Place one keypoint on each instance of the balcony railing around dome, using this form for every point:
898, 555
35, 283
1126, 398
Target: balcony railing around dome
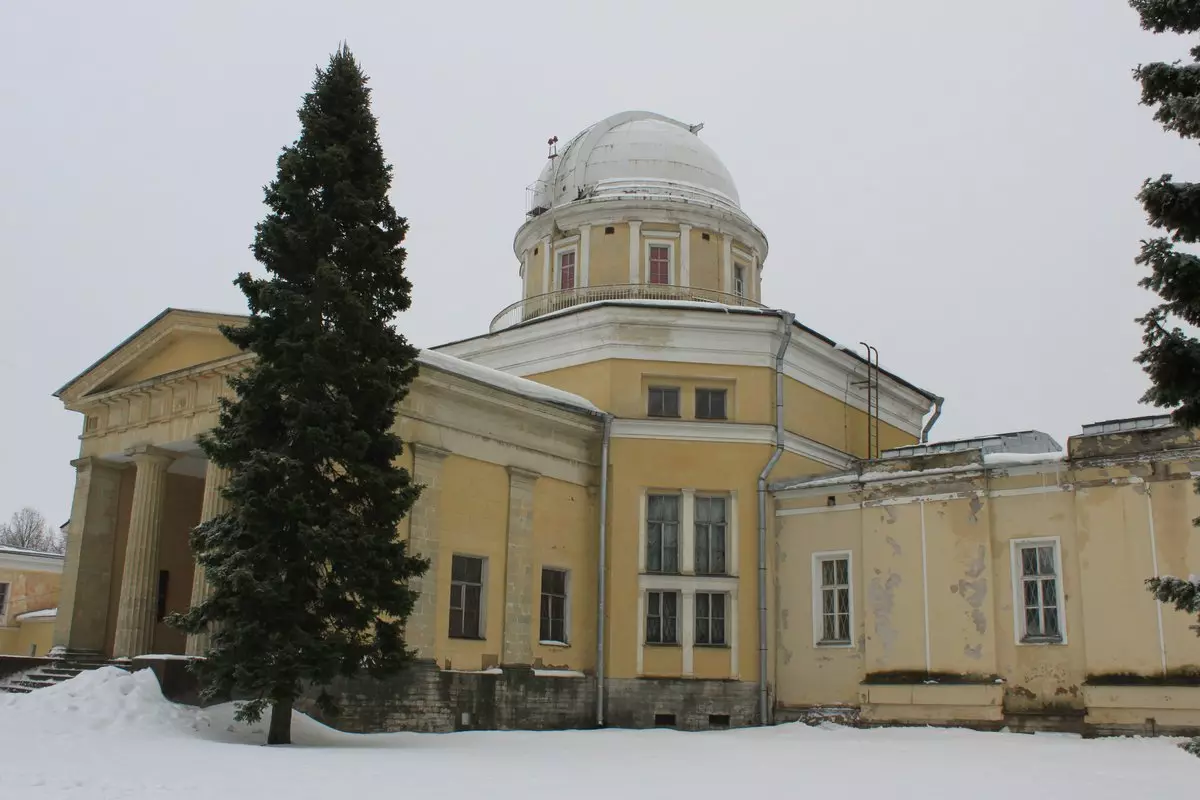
539, 305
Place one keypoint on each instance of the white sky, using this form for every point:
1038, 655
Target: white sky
953, 182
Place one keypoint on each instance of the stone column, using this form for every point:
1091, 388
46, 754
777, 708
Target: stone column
139, 579
87, 569
214, 505
420, 632
520, 586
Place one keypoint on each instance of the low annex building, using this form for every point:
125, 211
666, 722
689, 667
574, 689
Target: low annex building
685, 507
29, 584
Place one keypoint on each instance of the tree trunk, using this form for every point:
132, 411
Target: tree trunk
281, 723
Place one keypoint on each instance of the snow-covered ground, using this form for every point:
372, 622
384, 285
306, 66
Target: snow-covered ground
109, 734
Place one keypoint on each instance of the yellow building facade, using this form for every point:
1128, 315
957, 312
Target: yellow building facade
29, 585
631, 481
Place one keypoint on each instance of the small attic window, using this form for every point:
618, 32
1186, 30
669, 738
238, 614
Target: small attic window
705, 237
609, 229
535, 251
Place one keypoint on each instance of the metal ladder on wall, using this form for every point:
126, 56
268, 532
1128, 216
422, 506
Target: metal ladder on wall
872, 384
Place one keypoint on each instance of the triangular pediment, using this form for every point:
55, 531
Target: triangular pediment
173, 341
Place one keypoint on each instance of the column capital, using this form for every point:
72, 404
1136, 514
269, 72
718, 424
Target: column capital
521, 475
84, 463
146, 453
428, 451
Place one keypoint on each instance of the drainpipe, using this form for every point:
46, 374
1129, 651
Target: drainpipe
937, 412
600, 576
784, 340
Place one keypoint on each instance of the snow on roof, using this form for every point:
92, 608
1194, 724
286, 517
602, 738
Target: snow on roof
45, 613
509, 383
20, 551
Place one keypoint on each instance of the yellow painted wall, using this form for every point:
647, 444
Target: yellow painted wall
609, 259
34, 638
830, 421
1103, 527
639, 464
705, 259
564, 530
29, 590
476, 528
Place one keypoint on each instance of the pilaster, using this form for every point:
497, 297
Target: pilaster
635, 251
424, 540
139, 579
726, 263
585, 252
547, 286
213, 505
685, 255
519, 586
87, 570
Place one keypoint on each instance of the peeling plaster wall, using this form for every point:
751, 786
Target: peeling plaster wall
1118, 517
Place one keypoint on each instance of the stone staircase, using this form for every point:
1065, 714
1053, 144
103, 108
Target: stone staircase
60, 668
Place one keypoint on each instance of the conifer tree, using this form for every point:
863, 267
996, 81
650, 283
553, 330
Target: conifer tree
1171, 356
308, 580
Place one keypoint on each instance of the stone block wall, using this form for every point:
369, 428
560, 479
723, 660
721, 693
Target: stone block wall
427, 699
691, 705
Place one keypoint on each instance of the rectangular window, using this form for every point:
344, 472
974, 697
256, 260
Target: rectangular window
662, 533
566, 270
710, 535
710, 404
833, 572
662, 618
1038, 571
4, 591
710, 618
554, 606
660, 263
663, 401
739, 280
466, 597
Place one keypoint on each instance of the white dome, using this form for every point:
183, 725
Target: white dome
636, 153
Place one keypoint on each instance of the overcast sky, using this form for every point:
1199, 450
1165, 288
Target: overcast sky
951, 181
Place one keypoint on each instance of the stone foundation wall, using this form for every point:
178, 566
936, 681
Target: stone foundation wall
427, 699
691, 705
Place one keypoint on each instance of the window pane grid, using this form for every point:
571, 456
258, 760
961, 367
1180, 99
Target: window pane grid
710, 618
566, 270
663, 402
1039, 593
660, 259
662, 617
553, 624
662, 533
835, 600
466, 594
710, 528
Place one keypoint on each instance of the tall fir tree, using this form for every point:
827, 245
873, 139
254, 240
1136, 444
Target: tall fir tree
1171, 356
308, 579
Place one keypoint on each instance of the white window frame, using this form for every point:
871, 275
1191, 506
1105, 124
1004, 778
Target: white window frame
559, 252
739, 266
680, 608
724, 619
566, 640
5, 603
692, 498
483, 598
1018, 596
817, 601
658, 242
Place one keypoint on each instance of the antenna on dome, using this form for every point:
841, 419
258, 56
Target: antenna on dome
552, 143
699, 126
